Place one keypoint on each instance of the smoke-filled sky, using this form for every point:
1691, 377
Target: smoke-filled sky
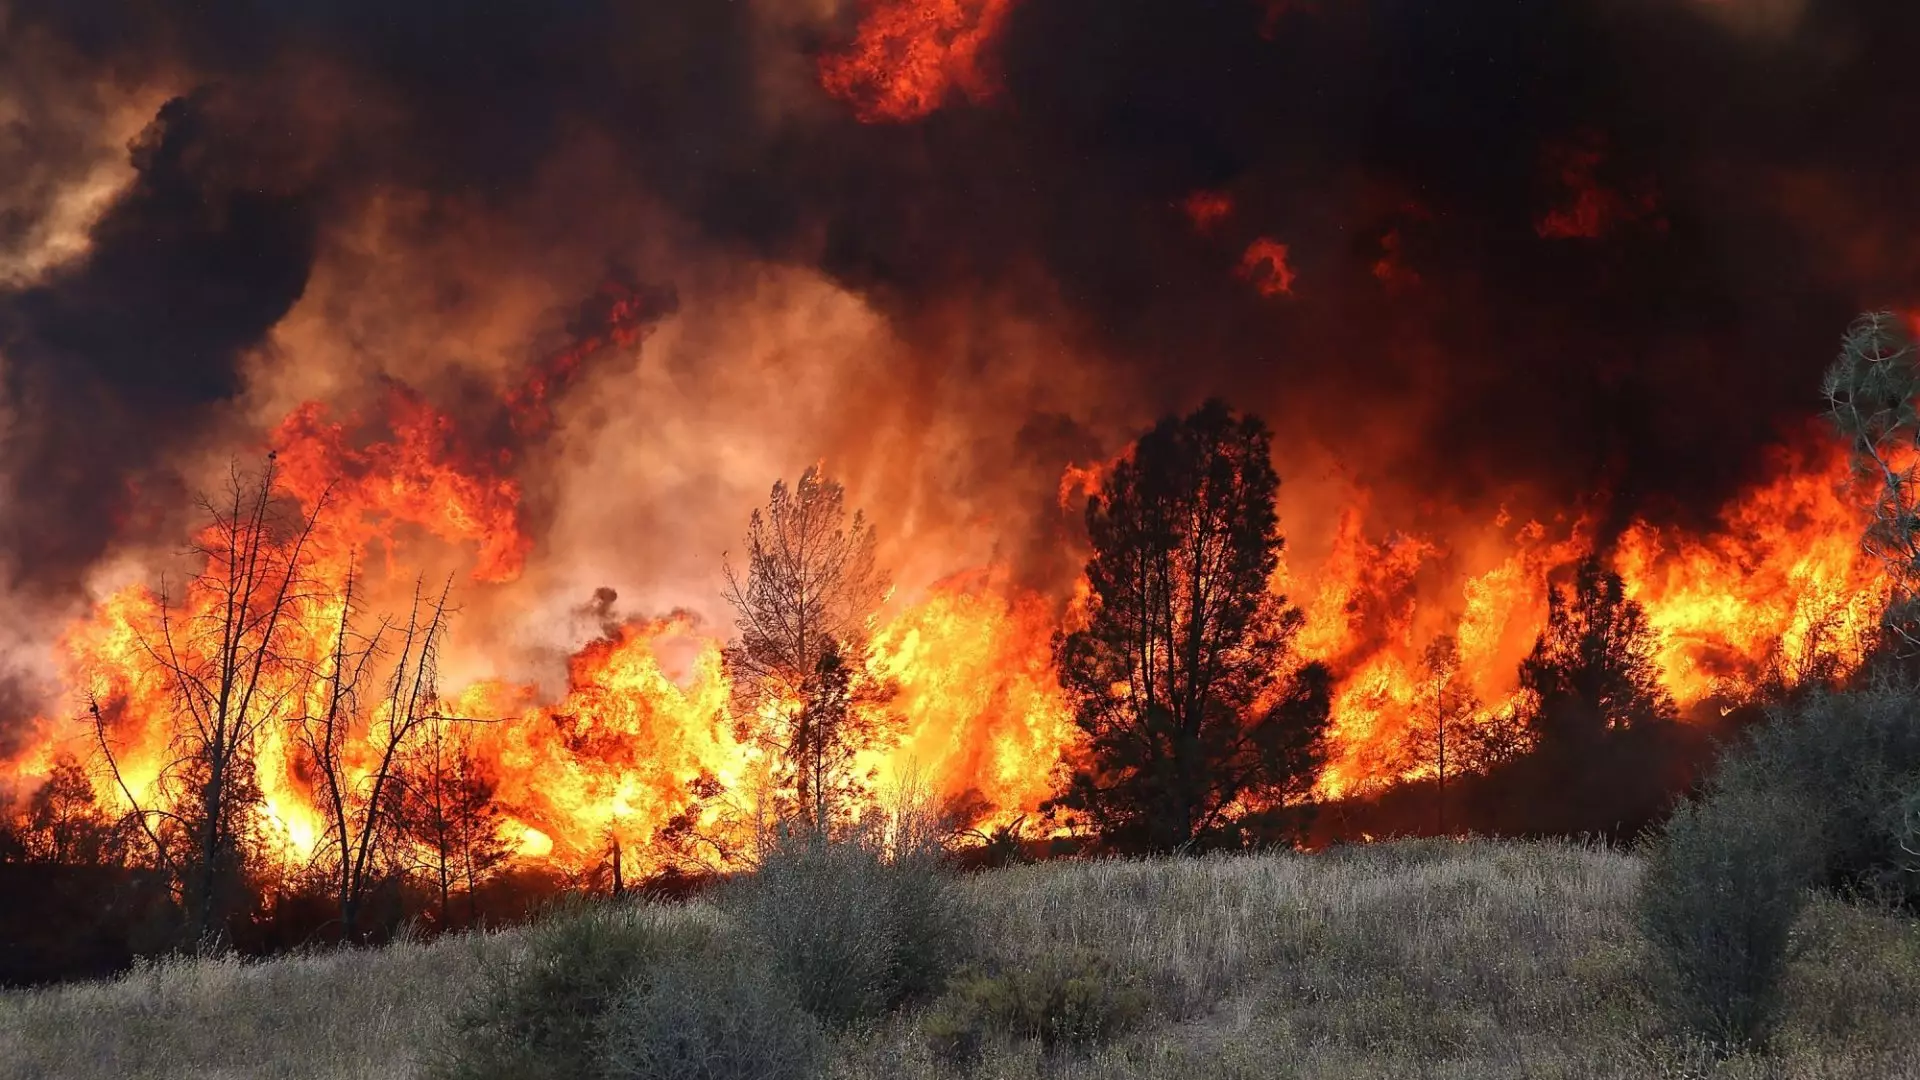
1545, 252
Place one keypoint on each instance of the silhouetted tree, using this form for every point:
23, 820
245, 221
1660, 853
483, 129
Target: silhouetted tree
359, 803
64, 823
448, 823
1182, 679
1593, 670
223, 655
1607, 755
1443, 733
802, 613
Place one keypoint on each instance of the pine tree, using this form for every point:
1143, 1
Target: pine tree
1194, 710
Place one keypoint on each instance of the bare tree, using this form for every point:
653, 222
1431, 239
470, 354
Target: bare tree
1872, 390
361, 823
802, 612
223, 654
448, 822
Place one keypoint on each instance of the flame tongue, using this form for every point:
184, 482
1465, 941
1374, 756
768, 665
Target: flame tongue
1781, 591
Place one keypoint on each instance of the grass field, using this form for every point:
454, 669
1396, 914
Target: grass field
1429, 959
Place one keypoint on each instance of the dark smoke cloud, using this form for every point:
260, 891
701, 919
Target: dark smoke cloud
112, 360
1651, 360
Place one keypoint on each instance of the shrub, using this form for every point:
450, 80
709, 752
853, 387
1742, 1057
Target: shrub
1059, 998
1722, 888
538, 1014
709, 1011
851, 932
631, 993
1847, 760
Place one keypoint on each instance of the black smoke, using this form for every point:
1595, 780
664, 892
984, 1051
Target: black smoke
1649, 362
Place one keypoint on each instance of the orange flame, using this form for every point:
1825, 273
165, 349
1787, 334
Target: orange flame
908, 55
1779, 589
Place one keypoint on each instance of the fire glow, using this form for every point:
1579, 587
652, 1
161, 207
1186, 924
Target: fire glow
907, 235
980, 712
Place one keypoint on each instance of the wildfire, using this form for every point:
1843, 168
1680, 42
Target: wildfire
908, 55
419, 472
1779, 590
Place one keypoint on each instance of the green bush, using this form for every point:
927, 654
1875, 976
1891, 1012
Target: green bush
1848, 760
626, 992
1722, 888
853, 933
1059, 998
538, 1015
710, 1011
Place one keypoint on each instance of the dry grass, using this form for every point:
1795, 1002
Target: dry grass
1481, 960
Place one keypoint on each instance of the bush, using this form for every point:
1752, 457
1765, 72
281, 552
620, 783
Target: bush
631, 993
852, 933
1847, 760
1722, 888
1059, 998
539, 1013
709, 1012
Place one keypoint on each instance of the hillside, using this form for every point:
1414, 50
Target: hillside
1431, 959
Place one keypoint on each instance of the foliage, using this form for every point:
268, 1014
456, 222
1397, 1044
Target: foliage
708, 1010
630, 993
63, 823
1723, 886
1821, 794
1850, 762
802, 613
1594, 671
1873, 399
852, 932
1182, 679
1059, 997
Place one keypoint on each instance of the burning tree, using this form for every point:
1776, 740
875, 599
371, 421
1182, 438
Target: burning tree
1606, 752
1445, 731
448, 824
1873, 398
64, 824
1180, 678
1595, 668
812, 585
223, 654
359, 803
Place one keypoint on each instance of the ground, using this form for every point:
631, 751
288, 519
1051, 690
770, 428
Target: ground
1432, 959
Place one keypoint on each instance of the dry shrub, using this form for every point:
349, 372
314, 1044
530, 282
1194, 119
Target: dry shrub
1849, 761
626, 992
1816, 796
709, 1011
539, 1014
853, 932
1062, 997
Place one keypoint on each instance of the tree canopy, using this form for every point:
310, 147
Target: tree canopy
1197, 715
